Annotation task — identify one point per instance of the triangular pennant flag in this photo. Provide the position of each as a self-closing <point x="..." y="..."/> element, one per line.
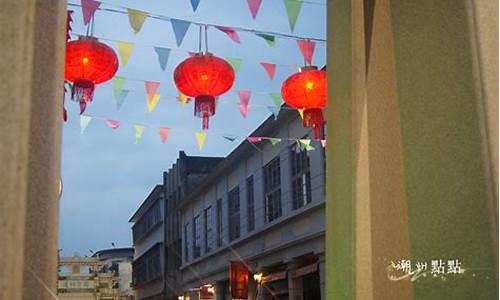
<point x="234" y="62"/>
<point x="194" y="4"/>
<point x="180" y="28"/>
<point x="323" y="143"/>
<point x="113" y="124"/>
<point x="138" y="131"/>
<point x="118" y="86"/>
<point x="254" y="139"/>
<point x="254" y="6"/>
<point x="120" y="99"/>
<point x="229" y="138"/>
<point x="244" y="100"/>
<point x="163" y="134"/>
<point x="125" y="50"/>
<point x="270" y="39"/>
<point x="274" y="110"/>
<point x="301" y="113"/>
<point x="163" y="54"/>
<point x="151" y="89"/>
<point x="292" y="10"/>
<point x="274" y="141"/>
<point x="307" y="144"/>
<point x="231" y="33"/>
<point x="136" y="19"/>
<point x="151" y="103"/>
<point x="200" y="138"/>
<point x="183" y="99"/>
<point x="307" y="49"/>
<point x="270" y="69"/>
<point x="277" y="100"/>
<point x="88" y="9"/>
<point x="84" y="122"/>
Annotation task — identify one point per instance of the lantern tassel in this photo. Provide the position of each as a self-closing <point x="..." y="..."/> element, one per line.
<point x="313" y="118"/>
<point x="204" y="107"/>
<point x="82" y="90"/>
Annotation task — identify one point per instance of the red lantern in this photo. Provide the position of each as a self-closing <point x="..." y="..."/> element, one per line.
<point x="204" y="76"/>
<point x="307" y="90"/>
<point x="88" y="62"/>
<point x="238" y="277"/>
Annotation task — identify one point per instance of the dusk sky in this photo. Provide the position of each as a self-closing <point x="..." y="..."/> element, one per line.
<point x="105" y="175"/>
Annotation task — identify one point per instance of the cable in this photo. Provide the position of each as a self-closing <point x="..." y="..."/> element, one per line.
<point x="166" y="18"/>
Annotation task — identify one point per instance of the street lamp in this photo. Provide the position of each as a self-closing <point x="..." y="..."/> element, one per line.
<point x="258" y="279"/>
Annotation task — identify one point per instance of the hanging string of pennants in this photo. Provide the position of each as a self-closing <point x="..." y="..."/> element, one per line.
<point x="125" y="50"/>
<point x="137" y="18"/>
<point x="200" y="136"/>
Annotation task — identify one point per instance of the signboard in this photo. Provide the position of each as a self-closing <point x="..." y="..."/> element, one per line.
<point x="274" y="276"/>
<point x="304" y="270"/>
<point x="76" y="284"/>
<point x="238" y="280"/>
<point x="206" y="293"/>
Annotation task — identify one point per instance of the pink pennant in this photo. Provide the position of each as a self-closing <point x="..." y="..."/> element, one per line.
<point x="163" y="134"/>
<point x="254" y="139"/>
<point x="88" y="8"/>
<point x="323" y="143"/>
<point x="270" y="69"/>
<point x="113" y="124"/>
<point x="254" y="6"/>
<point x="307" y="49"/>
<point x="191" y="54"/>
<point x="244" y="100"/>
<point x="231" y="33"/>
<point x="151" y="88"/>
<point x="243" y="110"/>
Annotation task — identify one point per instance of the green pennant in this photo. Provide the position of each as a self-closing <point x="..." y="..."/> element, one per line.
<point x="270" y="39"/>
<point x="292" y="10"/>
<point x="306" y="143"/>
<point x="276" y="99"/>
<point x="235" y="63"/>
<point x="118" y="86"/>
<point x="274" y="141"/>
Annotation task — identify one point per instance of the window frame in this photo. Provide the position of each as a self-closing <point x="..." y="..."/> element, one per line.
<point x="272" y="190"/>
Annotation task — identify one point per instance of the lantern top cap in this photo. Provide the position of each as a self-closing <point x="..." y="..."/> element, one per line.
<point x="308" y="68"/>
<point x="87" y="38"/>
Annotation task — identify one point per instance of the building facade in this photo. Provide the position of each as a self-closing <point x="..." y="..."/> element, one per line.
<point x="264" y="205"/>
<point x="104" y="276"/>
<point x="156" y="229"/>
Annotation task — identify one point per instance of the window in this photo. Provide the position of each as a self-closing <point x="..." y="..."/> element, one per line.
<point x="219" y="222"/>
<point x="301" y="176"/>
<point x="233" y="199"/>
<point x="250" y="205"/>
<point x="196" y="236"/>
<point x="147" y="222"/>
<point x="208" y="229"/>
<point x="147" y="267"/>
<point x="186" y="242"/>
<point x="272" y="190"/>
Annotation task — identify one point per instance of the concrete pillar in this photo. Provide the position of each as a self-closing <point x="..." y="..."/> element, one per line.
<point x="219" y="290"/>
<point x="31" y="91"/>
<point x="322" y="279"/>
<point x="411" y="169"/>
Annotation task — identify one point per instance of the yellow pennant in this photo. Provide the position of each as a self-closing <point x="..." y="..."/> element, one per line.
<point x="301" y="113"/>
<point x="138" y="131"/>
<point x="125" y="50"/>
<point x="136" y="19"/>
<point x="183" y="99"/>
<point x="152" y="102"/>
<point x="200" y="138"/>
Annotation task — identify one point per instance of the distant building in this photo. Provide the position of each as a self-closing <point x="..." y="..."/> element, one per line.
<point x="265" y="205"/>
<point x="156" y="229"/>
<point x="104" y="276"/>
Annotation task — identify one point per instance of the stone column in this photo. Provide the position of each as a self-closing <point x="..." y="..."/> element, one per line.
<point x="412" y="130"/>
<point x="219" y="290"/>
<point x="31" y="90"/>
<point x="295" y="286"/>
